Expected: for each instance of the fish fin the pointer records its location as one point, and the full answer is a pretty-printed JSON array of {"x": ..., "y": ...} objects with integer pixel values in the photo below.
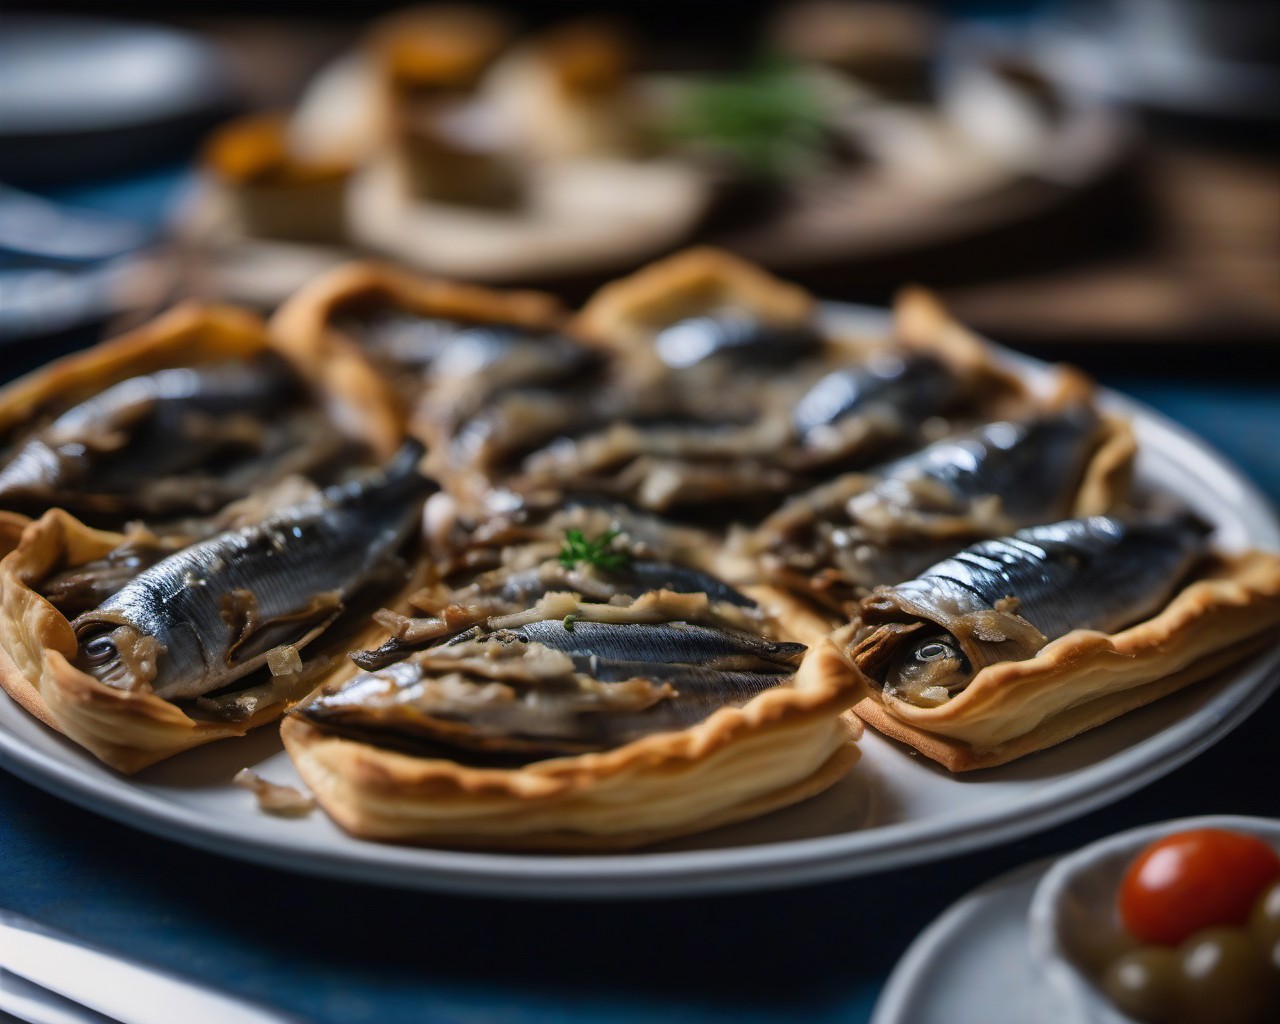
[{"x": 258, "y": 638}]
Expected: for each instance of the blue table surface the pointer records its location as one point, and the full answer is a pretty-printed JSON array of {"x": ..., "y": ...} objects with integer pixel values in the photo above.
[{"x": 345, "y": 953}]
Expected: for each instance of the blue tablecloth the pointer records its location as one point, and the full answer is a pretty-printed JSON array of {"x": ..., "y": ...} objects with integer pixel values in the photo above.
[{"x": 343, "y": 953}]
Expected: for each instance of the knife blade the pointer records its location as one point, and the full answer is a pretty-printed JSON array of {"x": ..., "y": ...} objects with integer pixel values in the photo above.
[
  {"x": 26, "y": 1001},
  {"x": 128, "y": 991}
]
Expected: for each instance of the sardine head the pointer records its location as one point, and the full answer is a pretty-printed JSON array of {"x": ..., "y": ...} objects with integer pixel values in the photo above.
[
  {"x": 928, "y": 669},
  {"x": 119, "y": 655}
]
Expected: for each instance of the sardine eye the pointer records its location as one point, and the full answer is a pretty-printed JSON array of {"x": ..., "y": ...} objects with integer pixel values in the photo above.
[
  {"x": 100, "y": 650},
  {"x": 934, "y": 651}
]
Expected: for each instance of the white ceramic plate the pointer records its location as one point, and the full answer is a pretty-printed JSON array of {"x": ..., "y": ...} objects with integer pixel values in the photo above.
[
  {"x": 975, "y": 963},
  {"x": 894, "y": 809}
]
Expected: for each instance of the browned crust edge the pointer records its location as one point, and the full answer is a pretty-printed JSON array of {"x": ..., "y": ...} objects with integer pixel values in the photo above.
[
  {"x": 127, "y": 730},
  {"x": 957, "y": 756},
  {"x": 737, "y": 763},
  {"x": 11, "y": 526},
  {"x": 187, "y": 335},
  {"x": 1086, "y": 678},
  {"x": 303, "y": 327},
  {"x": 624, "y": 313}
]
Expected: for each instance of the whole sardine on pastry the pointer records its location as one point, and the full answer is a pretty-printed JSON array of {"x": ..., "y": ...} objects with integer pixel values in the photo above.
[
  {"x": 177, "y": 418},
  {"x": 1018, "y": 643},
  {"x": 578, "y": 725},
  {"x": 239, "y": 613},
  {"x": 713, "y": 323},
  {"x": 141, "y": 447},
  {"x": 836, "y": 542},
  {"x": 212, "y": 613},
  {"x": 387, "y": 326}
]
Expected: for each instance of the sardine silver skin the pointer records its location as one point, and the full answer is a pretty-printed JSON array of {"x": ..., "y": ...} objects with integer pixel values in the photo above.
[
  {"x": 214, "y": 611},
  {"x": 735, "y": 334},
  {"x": 448, "y": 350},
  {"x": 1033, "y": 466},
  {"x": 913, "y": 386},
  {"x": 1004, "y": 599},
  {"x": 699, "y": 669},
  {"x": 1096, "y": 573},
  {"x": 888, "y": 524},
  {"x": 136, "y": 426},
  {"x": 675, "y": 643},
  {"x": 520, "y": 589}
]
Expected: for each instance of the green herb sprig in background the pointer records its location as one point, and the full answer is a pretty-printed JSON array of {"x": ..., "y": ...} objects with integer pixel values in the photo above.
[{"x": 768, "y": 119}]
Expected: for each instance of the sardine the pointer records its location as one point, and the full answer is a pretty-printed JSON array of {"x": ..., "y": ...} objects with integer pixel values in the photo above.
[
  {"x": 1003, "y": 600},
  {"x": 504, "y": 592},
  {"x": 736, "y": 334},
  {"x": 449, "y": 351},
  {"x": 888, "y": 524},
  {"x": 549, "y": 688},
  {"x": 906, "y": 388},
  {"x": 214, "y": 612},
  {"x": 402, "y": 338},
  {"x": 669, "y": 643},
  {"x": 100, "y": 453},
  {"x": 505, "y": 356}
]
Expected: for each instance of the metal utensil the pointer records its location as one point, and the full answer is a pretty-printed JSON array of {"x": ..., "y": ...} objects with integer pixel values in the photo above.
[{"x": 122, "y": 990}]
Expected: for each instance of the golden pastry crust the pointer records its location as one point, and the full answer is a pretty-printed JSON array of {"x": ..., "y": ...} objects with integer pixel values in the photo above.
[
  {"x": 127, "y": 730},
  {"x": 188, "y": 335},
  {"x": 625, "y": 314},
  {"x": 304, "y": 328},
  {"x": 788, "y": 743},
  {"x": 11, "y": 526},
  {"x": 922, "y": 322},
  {"x": 194, "y": 333},
  {"x": 1087, "y": 678}
]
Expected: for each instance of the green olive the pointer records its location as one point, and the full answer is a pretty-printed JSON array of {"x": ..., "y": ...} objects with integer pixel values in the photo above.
[
  {"x": 1105, "y": 944},
  {"x": 1226, "y": 979},
  {"x": 1144, "y": 983},
  {"x": 1264, "y": 922}
]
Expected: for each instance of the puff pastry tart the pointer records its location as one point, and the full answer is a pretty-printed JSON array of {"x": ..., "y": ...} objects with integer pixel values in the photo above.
[
  {"x": 1018, "y": 643},
  {"x": 189, "y": 449},
  {"x": 578, "y": 724}
]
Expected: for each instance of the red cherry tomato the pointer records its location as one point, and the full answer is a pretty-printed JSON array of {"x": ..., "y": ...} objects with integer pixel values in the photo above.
[{"x": 1193, "y": 880}]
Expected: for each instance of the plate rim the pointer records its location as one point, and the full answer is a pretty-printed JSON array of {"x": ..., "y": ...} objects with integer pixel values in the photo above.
[
  {"x": 771, "y": 865},
  {"x": 902, "y": 986}
]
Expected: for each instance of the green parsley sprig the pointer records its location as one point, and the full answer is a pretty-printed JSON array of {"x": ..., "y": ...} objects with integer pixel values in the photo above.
[{"x": 601, "y": 552}]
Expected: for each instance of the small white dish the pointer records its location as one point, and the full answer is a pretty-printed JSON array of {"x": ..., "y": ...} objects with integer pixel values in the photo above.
[
  {"x": 972, "y": 964},
  {"x": 1077, "y": 898}
]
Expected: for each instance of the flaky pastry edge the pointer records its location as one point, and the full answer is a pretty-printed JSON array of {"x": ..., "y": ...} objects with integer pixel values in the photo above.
[
  {"x": 786, "y": 744},
  {"x": 303, "y": 326},
  {"x": 1086, "y": 678}
]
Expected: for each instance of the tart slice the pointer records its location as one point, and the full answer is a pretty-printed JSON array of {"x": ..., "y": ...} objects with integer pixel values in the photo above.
[
  {"x": 579, "y": 725},
  {"x": 1019, "y": 643}
]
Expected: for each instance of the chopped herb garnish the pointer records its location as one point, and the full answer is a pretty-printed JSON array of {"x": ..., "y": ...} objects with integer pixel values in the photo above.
[
  {"x": 569, "y": 620},
  {"x": 601, "y": 552}
]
